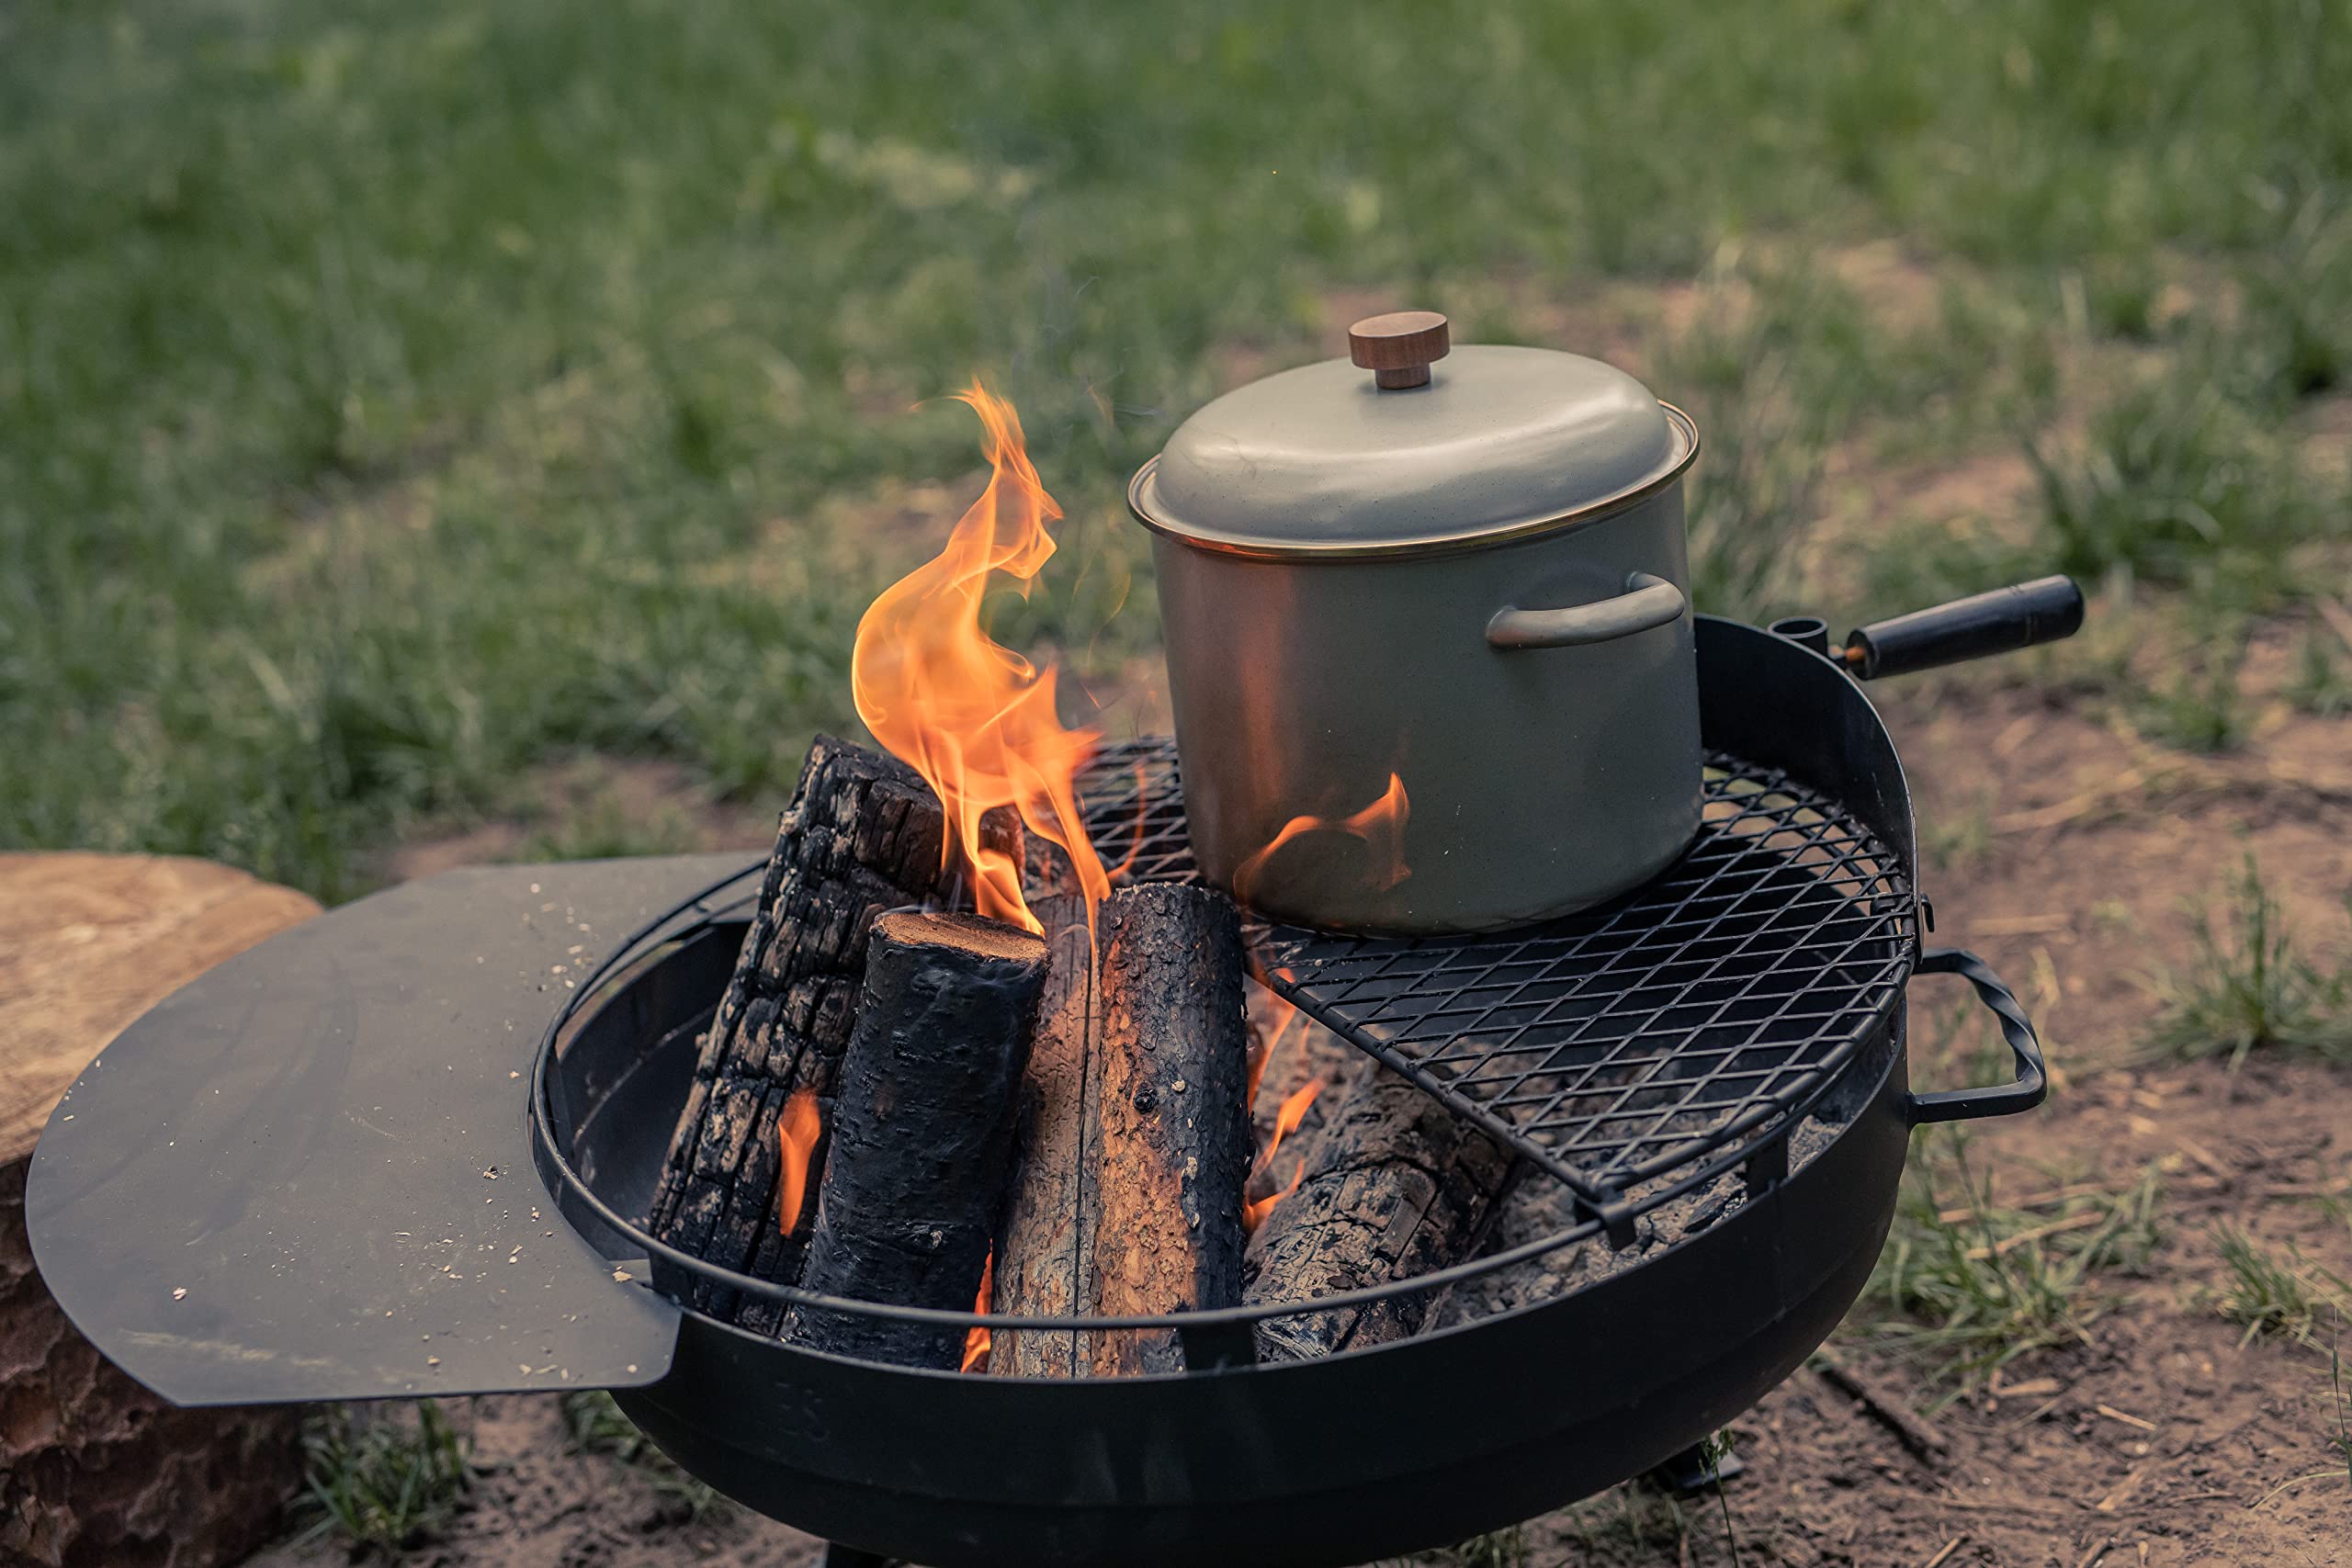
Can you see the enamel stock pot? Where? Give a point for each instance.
(1429, 631)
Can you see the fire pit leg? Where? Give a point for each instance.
(840, 1556)
(1695, 1469)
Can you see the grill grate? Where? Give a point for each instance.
(1684, 1026)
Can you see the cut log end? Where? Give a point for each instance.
(983, 939)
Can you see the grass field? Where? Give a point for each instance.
(437, 431)
(398, 399)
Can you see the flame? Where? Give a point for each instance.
(1286, 1121)
(976, 1343)
(796, 1137)
(1380, 825)
(1283, 1014)
(974, 718)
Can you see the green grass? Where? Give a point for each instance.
(2201, 706)
(1967, 1285)
(384, 1480)
(2321, 685)
(2339, 1404)
(2178, 483)
(2249, 984)
(593, 1424)
(395, 397)
(2276, 1292)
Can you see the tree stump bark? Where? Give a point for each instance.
(96, 1472)
(1397, 1186)
(1175, 1114)
(922, 1133)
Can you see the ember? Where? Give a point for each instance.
(796, 1136)
(1286, 1121)
(976, 1343)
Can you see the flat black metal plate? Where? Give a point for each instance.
(278, 1185)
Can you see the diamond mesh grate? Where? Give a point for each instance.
(1686, 1024)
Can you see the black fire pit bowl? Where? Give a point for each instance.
(340, 1167)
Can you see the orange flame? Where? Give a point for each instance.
(1286, 1121)
(1380, 825)
(976, 1342)
(1281, 1014)
(974, 718)
(796, 1137)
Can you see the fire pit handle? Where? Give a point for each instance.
(2024, 615)
(2032, 1084)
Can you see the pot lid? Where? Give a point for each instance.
(1493, 443)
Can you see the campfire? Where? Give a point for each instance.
(1554, 1047)
(956, 1067)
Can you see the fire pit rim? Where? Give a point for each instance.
(702, 911)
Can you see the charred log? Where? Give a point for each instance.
(862, 833)
(1174, 1115)
(1397, 1186)
(922, 1133)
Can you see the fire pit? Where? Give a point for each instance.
(409, 1149)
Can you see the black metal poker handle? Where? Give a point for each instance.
(2020, 616)
(2031, 1085)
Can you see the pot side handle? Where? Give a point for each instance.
(1647, 602)
(2030, 1086)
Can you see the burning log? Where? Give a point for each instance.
(1136, 1137)
(864, 833)
(922, 1133)
(1175, 1147)
(1045, 1260)
(1397, 1186)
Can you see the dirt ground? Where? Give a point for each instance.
(2063, 849)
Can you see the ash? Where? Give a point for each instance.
(1538, 1206)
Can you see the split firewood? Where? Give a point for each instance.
(1174, 1114)
(1135, 1128)
(1045, 1258)
(922, 1133)
(1397, 1186)
(864, 833)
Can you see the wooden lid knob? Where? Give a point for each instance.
(1399, 348)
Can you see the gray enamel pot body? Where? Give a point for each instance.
(1428, 633)
(1536, 780)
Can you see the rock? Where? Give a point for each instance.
(96, 1472)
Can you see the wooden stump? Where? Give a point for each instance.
(923, 1136)
(96, 1472)
(1396, 1186)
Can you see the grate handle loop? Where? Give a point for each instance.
(2032, 1084)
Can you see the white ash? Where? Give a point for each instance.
(1539, 1207)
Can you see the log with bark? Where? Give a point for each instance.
(1396, 1186)
(1175, 1116)
(1045, 1259)
(862, 833)
(921, 1135)
(1135, 1134)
